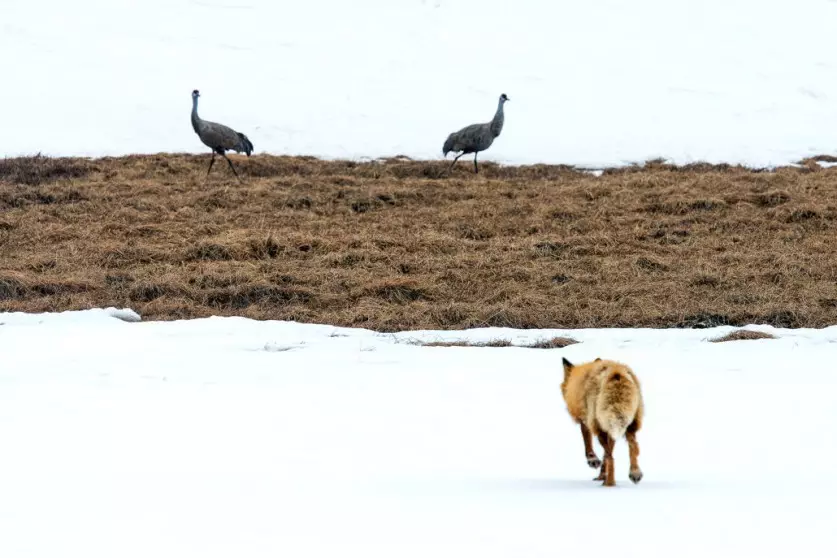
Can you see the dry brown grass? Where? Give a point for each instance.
(552, 343)
(399, 245)
(743, 335)
(492, 343)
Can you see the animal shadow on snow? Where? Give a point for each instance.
(568, 485)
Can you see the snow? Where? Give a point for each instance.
(233, 437)
(595, 84)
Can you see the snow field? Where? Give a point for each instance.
(261, 438)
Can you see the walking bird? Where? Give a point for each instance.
(476, 137)
(218, 137)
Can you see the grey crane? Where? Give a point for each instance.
(476, 137)
(218, 137)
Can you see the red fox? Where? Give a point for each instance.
(604, 397)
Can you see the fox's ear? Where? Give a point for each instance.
(597, 360)
(567, 367)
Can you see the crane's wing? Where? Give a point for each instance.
(218, 135)
(468, 138)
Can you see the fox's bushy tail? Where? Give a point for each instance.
(617, 404)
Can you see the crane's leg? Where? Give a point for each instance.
(211, 162)
(476, 168)
(232, 167)
(450, 168)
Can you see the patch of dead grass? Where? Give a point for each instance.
(743, 335)
(400, 244)
(491, 343)
(551, 343)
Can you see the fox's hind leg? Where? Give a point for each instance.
(602, 437)
(633, 446)
(592, 460)
(610, 473)
(607, 466)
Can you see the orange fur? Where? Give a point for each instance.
(605, 398)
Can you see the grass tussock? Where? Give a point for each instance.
(38, 169)
(400, 244)
(743, 335)
(553, 343)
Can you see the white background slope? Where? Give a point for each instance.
(230, 437)
(592, 83)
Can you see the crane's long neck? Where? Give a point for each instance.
(497, 121)
(195, 118)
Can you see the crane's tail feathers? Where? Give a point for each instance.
(448, 147)
(246, 144)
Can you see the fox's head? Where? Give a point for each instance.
(569, 368)
(568, 372)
